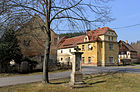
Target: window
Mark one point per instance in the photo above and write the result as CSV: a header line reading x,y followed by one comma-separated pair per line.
x,y
83,47
83,59
112,38
109,38
68,59
61,51
55,41
85,39
101,45
69,50
89,47
89,59
27,43
111,59
110,46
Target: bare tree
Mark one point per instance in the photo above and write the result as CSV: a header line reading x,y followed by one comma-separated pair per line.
x,y
73,13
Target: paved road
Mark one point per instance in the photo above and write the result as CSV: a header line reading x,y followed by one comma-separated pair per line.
x,y
85,69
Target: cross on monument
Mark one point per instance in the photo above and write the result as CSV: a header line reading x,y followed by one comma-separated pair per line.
x,y
77,48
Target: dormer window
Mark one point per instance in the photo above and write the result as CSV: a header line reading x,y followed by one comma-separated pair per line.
x,y
86,39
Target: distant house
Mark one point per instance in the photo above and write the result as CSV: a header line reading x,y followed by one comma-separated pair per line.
x,y
138,57
32,38
127,54
99,47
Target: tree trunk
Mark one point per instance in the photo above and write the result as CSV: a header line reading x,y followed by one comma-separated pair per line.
x,y
45,63
47,44
0,68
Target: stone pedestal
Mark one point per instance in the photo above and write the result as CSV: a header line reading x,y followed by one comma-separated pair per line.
x,y
76,75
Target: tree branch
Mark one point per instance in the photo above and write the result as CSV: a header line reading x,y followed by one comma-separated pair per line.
x,y
64,10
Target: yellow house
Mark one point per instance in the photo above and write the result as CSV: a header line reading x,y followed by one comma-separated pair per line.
x,y
99,47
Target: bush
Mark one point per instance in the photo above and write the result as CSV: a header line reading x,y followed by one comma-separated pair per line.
x,y
27,65
24,67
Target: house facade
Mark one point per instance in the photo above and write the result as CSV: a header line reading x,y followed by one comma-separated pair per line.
x,y
127,53
31,38
99,47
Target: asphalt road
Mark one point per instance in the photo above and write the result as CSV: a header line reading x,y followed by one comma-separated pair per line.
x,y
7,81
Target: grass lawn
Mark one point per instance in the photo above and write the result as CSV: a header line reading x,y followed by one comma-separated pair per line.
x,y
34,73
107,82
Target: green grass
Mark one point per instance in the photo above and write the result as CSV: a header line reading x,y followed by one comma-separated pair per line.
x,y
107,82
136,67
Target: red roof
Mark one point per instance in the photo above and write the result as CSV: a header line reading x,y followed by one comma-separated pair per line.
x,y
71,42
93,35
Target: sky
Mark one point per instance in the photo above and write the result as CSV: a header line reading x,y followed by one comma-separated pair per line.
x,y
126,13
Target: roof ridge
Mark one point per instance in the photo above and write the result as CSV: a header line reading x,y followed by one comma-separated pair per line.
x,y
76,36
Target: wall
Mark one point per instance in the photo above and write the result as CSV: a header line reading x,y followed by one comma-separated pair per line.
x,y
89,53
63,55
32,38
111,53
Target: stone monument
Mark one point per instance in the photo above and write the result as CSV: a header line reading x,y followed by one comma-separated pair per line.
x,y
76,75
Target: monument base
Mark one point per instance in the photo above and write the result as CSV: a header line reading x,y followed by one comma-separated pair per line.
x,y
76,78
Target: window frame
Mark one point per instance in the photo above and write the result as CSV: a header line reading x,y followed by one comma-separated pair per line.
x,y
89,59
61,51
110,59
83,47
110,46
83,59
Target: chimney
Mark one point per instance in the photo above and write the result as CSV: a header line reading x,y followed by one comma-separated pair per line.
x,y
126,41
88,29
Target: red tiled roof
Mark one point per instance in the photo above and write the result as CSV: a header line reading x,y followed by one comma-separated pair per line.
x,y
71,42
93,35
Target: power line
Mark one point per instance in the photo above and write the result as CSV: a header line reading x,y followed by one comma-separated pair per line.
x,y
126,26
112,28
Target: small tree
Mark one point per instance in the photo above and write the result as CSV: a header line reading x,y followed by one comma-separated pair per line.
x,y
9,49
